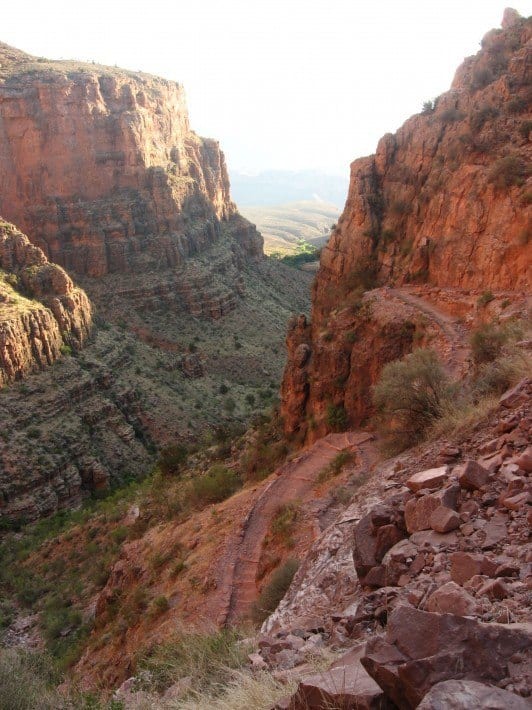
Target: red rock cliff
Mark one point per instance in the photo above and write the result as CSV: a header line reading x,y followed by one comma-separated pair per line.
x,y
444,202
99,166
40,308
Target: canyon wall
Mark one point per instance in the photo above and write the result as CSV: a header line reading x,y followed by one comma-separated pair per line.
x,y
100,167
444,204
41,311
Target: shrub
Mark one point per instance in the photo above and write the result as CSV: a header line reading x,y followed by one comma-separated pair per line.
x,y
337,418
485,298
172,459
487,342
451,115
479,118
159,605
274,591
218,484
284,520
408,398
508,171
428,106
335,467
25,681
209,660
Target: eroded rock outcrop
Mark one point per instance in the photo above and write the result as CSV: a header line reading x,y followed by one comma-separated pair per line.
x,y
41,311
444,204
101,168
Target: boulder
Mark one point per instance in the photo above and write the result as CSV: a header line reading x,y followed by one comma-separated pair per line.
x,y
524,461
431,478
421,649
472,475
468,694
418,511
451,598
465,565
344,685
444,519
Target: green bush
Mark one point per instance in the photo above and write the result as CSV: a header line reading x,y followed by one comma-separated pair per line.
x,y
172,459
335,467
409,396
284,520
274,591
487,342
209,660
485,298
26,680
508,171
337,418
218,484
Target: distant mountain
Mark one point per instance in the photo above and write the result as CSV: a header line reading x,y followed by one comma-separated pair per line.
x,y
283,226
275,187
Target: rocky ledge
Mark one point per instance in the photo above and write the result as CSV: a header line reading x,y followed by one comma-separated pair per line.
x,y
41,311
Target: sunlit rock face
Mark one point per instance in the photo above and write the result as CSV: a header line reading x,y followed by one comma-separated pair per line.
x,y
100,167
443,204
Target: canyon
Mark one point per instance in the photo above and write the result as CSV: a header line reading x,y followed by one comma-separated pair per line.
x,y
294,560
443,205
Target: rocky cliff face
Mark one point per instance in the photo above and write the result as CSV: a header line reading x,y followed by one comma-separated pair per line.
x,y
41,311
445,203
101,168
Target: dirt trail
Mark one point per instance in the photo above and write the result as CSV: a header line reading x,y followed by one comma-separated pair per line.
x,y
455,333
295,479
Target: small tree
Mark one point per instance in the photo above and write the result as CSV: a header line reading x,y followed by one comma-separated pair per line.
x,y
409,397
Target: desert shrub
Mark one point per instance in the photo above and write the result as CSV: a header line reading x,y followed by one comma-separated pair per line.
x,y
487,342
158,606
477,119
408,397
26,680
451,115
524,130
172,459
508,171
337,418
218,484
284,520
428,106
485,298
274,591
209,660
497,376
335,467
482,76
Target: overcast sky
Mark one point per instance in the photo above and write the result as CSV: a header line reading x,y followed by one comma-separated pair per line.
x,y
281,83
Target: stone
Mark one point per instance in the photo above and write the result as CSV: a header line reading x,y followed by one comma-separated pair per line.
x,y
516,502
465,565
421,649
524,460
444,519
493,589
418,510
496,531
452,599
431,478
472,475
346,684
516,395
470,695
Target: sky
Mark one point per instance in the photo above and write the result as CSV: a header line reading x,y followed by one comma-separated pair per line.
x,y
282,84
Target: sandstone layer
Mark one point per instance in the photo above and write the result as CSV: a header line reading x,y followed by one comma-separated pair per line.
x,y
100,167
41,311
443,204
